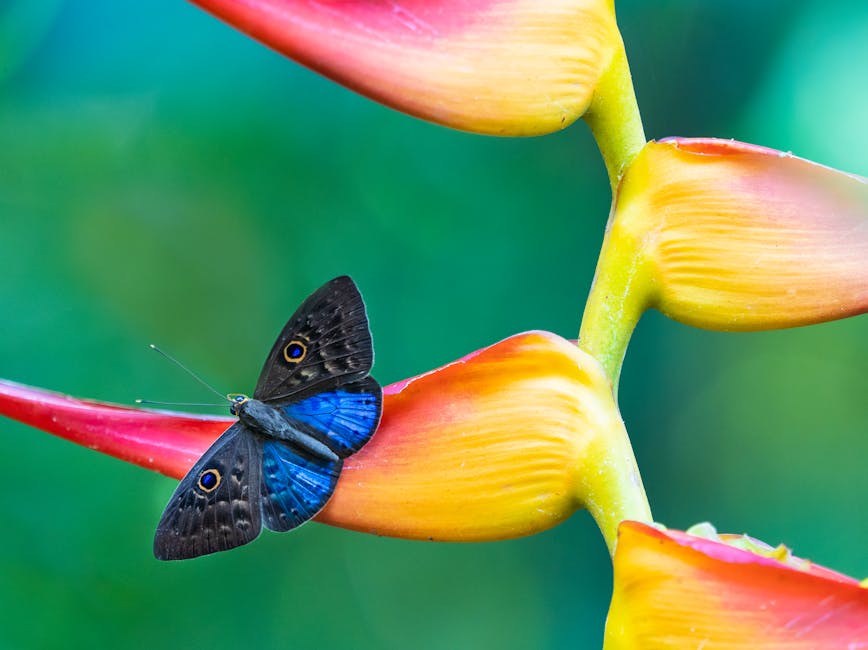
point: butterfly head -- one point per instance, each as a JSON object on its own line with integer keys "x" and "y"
{"x": 235, "y": 402}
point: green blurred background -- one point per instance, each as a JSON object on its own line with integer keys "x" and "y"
{"x": 165, "y": 179}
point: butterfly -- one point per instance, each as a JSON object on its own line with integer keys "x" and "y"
{"x": 277, "y": 466}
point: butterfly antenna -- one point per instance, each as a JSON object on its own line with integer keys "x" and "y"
{"x": 150, "y": 401}
{"x": 188, "y": 371}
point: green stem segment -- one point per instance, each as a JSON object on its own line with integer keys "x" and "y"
{"x": 614, "y": 118}
{"x": 612, "y": 490}
{"x": 613, "y": 307}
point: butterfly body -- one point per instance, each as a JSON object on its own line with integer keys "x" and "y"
{"x": 313, "y": 406}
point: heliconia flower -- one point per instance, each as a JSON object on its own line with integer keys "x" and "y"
{"x": 504, "y": 442}
{"x": 505, "y": 67}
{"x": 674, "y": 590}
{"x": 728, "y": 236}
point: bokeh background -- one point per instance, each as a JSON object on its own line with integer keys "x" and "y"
{"x": 165, "y": 179}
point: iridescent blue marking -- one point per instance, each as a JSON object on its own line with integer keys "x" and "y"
{"x": 347, "y": 419}
{"x": 294, "y": 486}
{"x": 295, "y": 350}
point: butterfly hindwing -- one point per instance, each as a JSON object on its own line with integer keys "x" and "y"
{"x": 325, "y": 344}
{"x": 216, "y": 506}
{"x": 295, "y": 485}
{"x": 344, "y": 418}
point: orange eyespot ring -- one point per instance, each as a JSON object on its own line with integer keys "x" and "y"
{"x": 209, "y": 480}
{"x": 294, "y": 351}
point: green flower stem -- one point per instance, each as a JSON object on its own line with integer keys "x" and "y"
{"x": 614, "y": 306}
{"x": 612, "y": 491}
{"x": 614, "y": 118}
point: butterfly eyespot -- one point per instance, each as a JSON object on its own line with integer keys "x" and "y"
{"x": 294, "y": 351}
{"x": 209, "y": 480}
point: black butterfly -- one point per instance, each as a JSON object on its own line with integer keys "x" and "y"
{"x": 313, "y": 406}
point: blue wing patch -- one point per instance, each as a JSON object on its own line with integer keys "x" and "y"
{"x": 347, "y": 416}
{"x": 295, "y": 486}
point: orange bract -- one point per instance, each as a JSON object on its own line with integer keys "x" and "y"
{"x": 507, "y": 441}
{"x": 740, "y": 237}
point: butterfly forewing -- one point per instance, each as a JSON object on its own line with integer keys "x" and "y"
{"x": 216, "y": 506}
{"x": 325, "y": 344}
